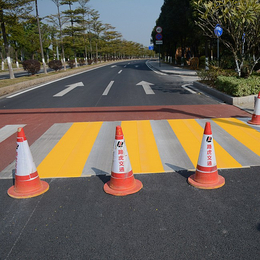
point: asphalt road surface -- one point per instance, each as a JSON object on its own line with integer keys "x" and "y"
{"x": 168, "y": 218}
{"x": 124, "y": 84}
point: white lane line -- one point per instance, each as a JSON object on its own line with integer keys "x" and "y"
{"x": 188, "y": 89}
{"x": 33, "y": 88}
{"x": 108, "y": 88}
{"x": 119, "y": 71}
{"x": 151, "y": 68}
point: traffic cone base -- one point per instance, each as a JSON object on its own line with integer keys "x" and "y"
{"x": 219, "y": 183}
{"x": 255, "y": 120}
{"x": 108, "y": 188}
{"x": 42, "y": 188}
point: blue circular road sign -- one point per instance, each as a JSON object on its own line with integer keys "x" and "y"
{"x": 158, "y": 36}
{"x": 218, "y": 30}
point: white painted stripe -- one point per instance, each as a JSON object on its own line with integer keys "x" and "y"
{"x": 151, "y": 68}
{"x": 108, "y": 88}
{"x": 33, "y": 88}
{"x": 8, "y": 130}
{"x": 188, "y": 89}
{"x": 41, "y": 147}
{"x": 101, "y": 156}
{"x": 119, "y": 71}
{"x": 173, "y": 156}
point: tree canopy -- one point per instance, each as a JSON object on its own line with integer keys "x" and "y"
{"x": 77, "y": 32}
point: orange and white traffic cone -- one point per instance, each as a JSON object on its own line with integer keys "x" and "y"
{"x": 256, "y": 115}
{"x": 122, "y": 180}
{"x": 206, "y": 175}
{"x": 27, "y": 181}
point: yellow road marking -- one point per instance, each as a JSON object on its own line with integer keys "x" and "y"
{"x": 68, "y": 157}
{"x": 244, "y": 133}
{"x": 141, "y": 147}
{"x": 190, "y": 134}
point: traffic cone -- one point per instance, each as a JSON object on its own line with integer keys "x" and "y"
{"x": 122, "y": 180}
{"x": 206, "y": 175}
{"x": 27, "y": 181}
{"x": 256, "y": 115}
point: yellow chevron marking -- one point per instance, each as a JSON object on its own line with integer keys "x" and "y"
{"x": 244, "y": 133}
{"x": 68, "y": 157}
{"x": 190, "y": 134}
{"x": 141, "y": 147}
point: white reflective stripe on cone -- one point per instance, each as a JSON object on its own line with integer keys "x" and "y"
{"x": 24, "y": 160}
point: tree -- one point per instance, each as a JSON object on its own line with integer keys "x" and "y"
{"x": 17, "y": 37}
{"x": 10, "y": 10}
{"x": 177, "y": 22}
{"x": 84, "y": 11}
{"x": 240, "y": 20}
{"x": 58, "y": 21}
{"x": 40, "y": 37}
{"x": 73, "y": 29}
{"x": 97, "y": 28}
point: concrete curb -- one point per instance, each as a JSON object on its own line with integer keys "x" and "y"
{"x": 237, "y": 101}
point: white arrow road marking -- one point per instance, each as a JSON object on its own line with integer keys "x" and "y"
{"x": 68, "y": 89}
{"x": 108, "y": 88}
{"x": 146, "y": 86}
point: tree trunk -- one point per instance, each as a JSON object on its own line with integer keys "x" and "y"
{"x": 7, "y": 49}
{"x": 40, "y": 37}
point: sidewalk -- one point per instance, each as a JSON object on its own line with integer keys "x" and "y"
{"x": 170, "y": 69}
{"x": 179, "y": 71}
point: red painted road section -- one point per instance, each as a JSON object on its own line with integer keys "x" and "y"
{"x": 38, "y": 121}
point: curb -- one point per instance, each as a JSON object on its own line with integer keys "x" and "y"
{"x": 236, "y": 101}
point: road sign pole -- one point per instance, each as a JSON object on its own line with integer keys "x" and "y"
{"x": 218, "y": 32}
{"x": 159, "y": 57}
{"x": 218, "y": 51}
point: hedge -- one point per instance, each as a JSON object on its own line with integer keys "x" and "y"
{"x": 238, "y": 87}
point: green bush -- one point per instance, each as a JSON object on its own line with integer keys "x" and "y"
{"x": 82, "y": 62}
{"x": 55, "y": 65}
{"x": 202, "y": 61}
{"x": 31, "y": 66}
{"x": 213, "y": 73}
{"x": 71, "y": 63}
{"x": 238, "y": 87}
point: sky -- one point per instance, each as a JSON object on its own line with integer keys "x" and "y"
{"x": 134, "y": 19}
